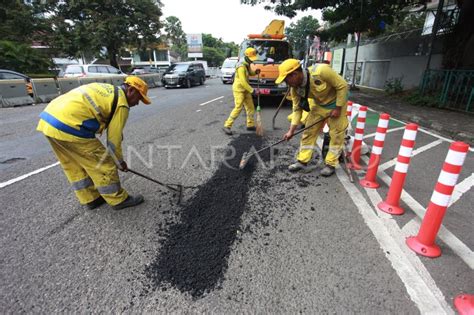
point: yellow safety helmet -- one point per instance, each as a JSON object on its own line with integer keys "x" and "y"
{"x": 140, "y": 86}
{"x": 287, "y": 67}
{"x": 251, "y": 53}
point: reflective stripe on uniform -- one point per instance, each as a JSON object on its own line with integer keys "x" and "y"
{"x": 82, "y": 184}
{"x": 56, "y": 123}
{"x": 91, "y": 101}
{"x": 109, "y": 189}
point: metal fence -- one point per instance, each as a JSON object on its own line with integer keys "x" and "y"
{"x": 453, "y": 89}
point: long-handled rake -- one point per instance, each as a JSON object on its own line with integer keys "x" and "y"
{"x": 246, "y": 156}
{"x": 178, "y": 188}
{"x": 174, "y": 187}
{"x": 259, "y": 129}
{"x": 279, "y": 107}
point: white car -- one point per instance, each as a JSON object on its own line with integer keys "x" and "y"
{"x": 92, "y": 70}
{"x": 228, "y": 69}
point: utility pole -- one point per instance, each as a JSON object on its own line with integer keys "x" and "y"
{"x": 353, "y": 86}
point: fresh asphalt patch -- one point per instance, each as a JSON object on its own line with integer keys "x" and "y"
{"x": 194, "y": 252}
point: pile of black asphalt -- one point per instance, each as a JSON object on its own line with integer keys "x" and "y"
{"x": 193, "y": 255}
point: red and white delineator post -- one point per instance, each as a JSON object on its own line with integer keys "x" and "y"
{"x": 370, "y": 180}
{"x": 391, "y": 205}
{"x": 464, "y": 304}
{"x": 359, "y": 134}
{"x": 349, "y": 110}
{"x": 424, "y": 243}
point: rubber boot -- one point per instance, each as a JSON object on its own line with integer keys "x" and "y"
{"x": 131, "y": 201}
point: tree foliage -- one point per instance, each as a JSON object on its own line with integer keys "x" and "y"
{"x": 20, "y": 26}
{"x": 22, "y": 58}
{"x": 345, "y": 16}
{"x": 175, "y": 36}
{"x": 297, "y": 33}
{"x": 85, "y": 27}
{"x": 213, "y": 56}
{"x": 20, "y": 22}
{"x": 225, "y": 49}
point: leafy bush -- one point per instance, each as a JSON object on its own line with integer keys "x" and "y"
{"x": 394, "y": 85}
{"x": 418, "y": 99}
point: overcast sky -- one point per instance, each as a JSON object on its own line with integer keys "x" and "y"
{"x": 226, "y": 19}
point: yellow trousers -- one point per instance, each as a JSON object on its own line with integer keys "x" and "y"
{"x": 337, "y": 127}
{"x": 90, "y": 170}
{"x": 304, "y": 116}
{"x": 242, "y": 99}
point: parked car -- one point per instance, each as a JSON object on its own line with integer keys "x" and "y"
{"x": 184, "y": 74}
{"x": 91, "y": 70}
{"x": 228, "y": 69}
{"x": 137, "y": 71}
{"x": 204, "y": 64}
{"x": 146, "y": 70}
{"x": 13, "y": 75}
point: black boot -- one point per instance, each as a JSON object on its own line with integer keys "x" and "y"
{"x": 131, "y": 201}
{"x": 96, "y": 203}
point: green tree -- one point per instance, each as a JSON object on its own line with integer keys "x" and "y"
{"x": 224, "y": 49}
{"x": 85, "y": 27}
{"x": 175, "y": 36}
{"x": 22, "y": 58}
{"x": 297, "y": 33}
{"x": 20, "y": 22}
{"x": 345, "y": 16}
{"x": 213, "y": 56}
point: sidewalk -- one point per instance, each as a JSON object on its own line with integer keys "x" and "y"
{"x": 451, "y": 124}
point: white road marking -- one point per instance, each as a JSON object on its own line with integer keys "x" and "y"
{"x": 22, "y": 177}
{"x": 198, "y": 111}
{"x": 399, "y": 237}
{"x": 427, "y": 301}
{"x": 462, "y": 188}
{"x": 393, "y": 161}
{"x": 370, "y": 135}
{"x": 218, "y": 98}
{"x": 153, "y": 96}
{"x": 422, "y": 130}
{"x": 456, "y": 245}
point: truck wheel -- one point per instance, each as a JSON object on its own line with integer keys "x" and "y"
{"x": 201, "y": 81}
{"x": 188, "y": 83}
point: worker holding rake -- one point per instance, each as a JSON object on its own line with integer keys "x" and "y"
{"x": 327, "y": 91}
{"x": 243, "y": 92}
{"x": 70, "y": 123}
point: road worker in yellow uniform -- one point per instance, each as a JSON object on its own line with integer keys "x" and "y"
{"x": 70, "y": 123}
{"x": 243, "y": 91}
{"x": 327, "y": 91}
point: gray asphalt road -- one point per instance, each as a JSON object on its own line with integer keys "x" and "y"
{"x": 265, "y": 240}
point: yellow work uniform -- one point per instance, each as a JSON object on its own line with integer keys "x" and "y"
{"x": 328, "y": 90}
{"x": 71, "y": 122}
{"x": 242, "y": 95}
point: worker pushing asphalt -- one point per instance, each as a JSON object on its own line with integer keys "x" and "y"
{"x": 322, "y": 93}
{"x": 70, "y": 123}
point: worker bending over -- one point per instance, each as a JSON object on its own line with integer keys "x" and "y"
{"x": 70, "y": 123}
{"x": 328, "y": 92}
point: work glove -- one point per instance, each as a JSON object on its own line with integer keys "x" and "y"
{"x": 123, "y": 166}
